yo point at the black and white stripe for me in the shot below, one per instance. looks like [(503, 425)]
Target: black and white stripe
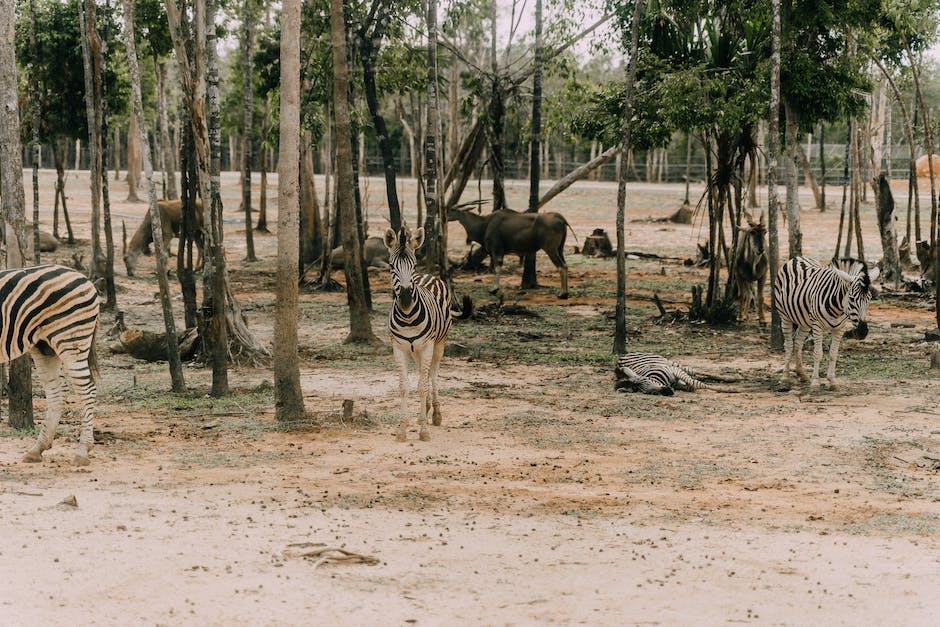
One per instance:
[(51, 312), (419, 321), (653, 374), (815, 298)]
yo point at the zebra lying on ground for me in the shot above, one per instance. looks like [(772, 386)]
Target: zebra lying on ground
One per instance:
[(51, 312), (817, 298), (418, 321), (652, 374)]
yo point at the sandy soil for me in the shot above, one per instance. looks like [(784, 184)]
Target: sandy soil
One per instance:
[(543, 498)]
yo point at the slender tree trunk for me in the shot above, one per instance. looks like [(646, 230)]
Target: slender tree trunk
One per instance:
[(289, 401), (12, 204), (773, 152), (435, 230), (184, 256), (360, 325), (928, 145), (262, 225), (793, 199), (579, 173), (133, 159), (370, 44), (822, 167), (311, 235), (101, 105), (58, 156), (116, 152), (497, 114), (166, 146), (248, 109), (172, 346), (620, 313), (90, 53), (529, 277), (36, 121)]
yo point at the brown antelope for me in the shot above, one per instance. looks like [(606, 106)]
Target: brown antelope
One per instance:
[(171, 219)]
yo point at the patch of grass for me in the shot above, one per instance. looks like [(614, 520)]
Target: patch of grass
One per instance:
[(919, 524)]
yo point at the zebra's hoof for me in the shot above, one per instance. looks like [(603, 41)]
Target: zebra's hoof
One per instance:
[(424, 436), (832, 385), (436, 420), (563, 296), (402, 437), (80, 459), (33, 457)]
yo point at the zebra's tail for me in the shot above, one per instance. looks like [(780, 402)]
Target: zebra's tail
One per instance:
[(467, 311), (93, 353)]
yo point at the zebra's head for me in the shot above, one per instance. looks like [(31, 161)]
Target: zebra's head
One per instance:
[(402, 260), (859, 280)]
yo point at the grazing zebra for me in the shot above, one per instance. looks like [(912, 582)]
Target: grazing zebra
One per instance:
[(652, 374), (51, 312), (817, 298), (418, 321)]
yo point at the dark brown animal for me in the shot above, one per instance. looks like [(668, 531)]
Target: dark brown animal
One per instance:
[(597, 244), (170, 218), (750, 270), (507, 231)]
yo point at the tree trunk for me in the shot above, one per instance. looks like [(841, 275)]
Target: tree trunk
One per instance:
[(57, 157), (808, 177), (311, 232), (620, 313), (172, 346), (248, 109), (579, 173), (101, 105), (184, 255), (116, 152), (133, 161), (891, 262), (435, 229), (262, 224), (166, 146), (369, 46), (360, 325), (289, 400), (773, 151), (793, 199), (496, 120), (12, 203), (529, 277)]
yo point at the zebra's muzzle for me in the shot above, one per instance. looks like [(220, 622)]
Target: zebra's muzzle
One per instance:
[(405, 297), (860, 332)]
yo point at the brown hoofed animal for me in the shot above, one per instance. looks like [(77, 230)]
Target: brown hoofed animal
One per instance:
[(170, 218), (507, 231), (750, 271), (375, 254)]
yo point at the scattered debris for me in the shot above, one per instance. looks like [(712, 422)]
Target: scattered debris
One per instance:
[(597, 244), (322, 553)]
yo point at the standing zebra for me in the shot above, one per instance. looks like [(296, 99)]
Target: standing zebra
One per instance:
[(418, 321), (817, 298), (51, 312)]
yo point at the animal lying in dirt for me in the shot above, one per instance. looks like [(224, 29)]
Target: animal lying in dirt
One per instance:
[(652, 374), (507, 231), (171, 219), (374, 251)]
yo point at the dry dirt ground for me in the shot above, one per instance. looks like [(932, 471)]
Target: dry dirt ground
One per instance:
[(545, 497)]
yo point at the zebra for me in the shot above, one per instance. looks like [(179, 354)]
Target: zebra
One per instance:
[(419, 320), (817, 298), (652, 374), (750, 267), (51, 312)]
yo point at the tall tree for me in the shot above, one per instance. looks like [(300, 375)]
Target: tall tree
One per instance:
[(289, 401), (90, 49), (172, 347), (529, 278), (248, 109), (34, 97), (12, 201), (620, 313), (360, 326), (773, 150), (435, 225)]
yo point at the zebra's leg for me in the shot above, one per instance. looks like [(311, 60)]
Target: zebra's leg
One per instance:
[(799, 337), (787, 350), (435, 364), (48, 369), (84, 385), (833, 357), (760, 301), (424, 357), (402, 358), (817, 355)]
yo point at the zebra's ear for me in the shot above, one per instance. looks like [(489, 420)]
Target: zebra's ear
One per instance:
[(417, 239), (390, 239)]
